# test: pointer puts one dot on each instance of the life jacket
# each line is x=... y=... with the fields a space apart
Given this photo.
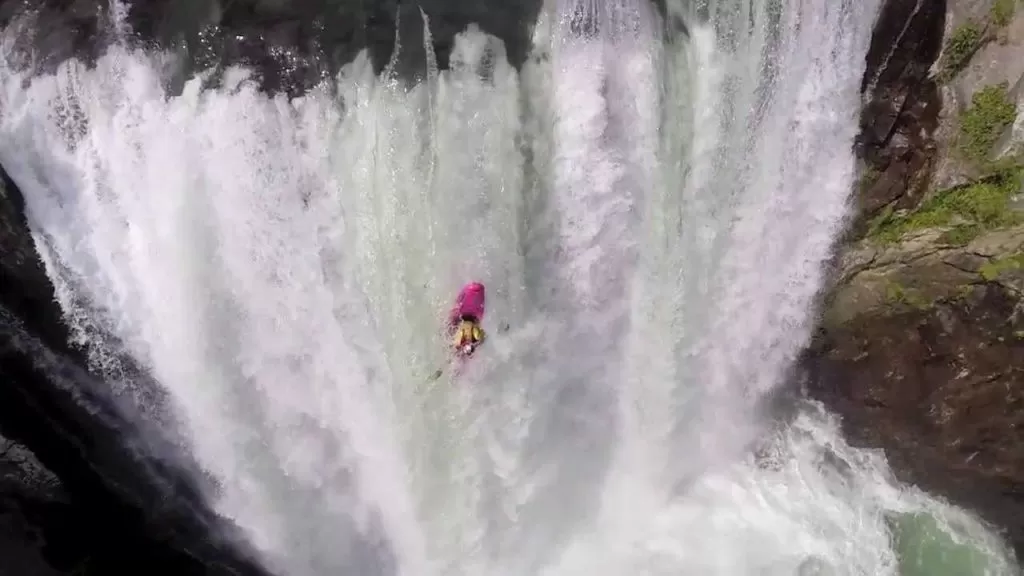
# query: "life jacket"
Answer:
x=469 y=303
x=468 y=332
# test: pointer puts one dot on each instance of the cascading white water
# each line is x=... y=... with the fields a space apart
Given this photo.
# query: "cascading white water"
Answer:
x=650 y=211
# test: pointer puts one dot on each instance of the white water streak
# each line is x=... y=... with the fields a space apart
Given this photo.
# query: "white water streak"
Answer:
x=650 y=212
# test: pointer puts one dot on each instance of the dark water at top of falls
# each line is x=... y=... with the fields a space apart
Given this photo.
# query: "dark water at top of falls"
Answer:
x=292 y=44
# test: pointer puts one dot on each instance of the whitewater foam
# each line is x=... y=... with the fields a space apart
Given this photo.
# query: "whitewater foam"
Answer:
x=651 y=211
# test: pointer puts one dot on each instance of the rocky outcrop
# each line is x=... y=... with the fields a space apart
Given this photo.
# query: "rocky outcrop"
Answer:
x=921 y=345
x=924 y=357
x=990 y=37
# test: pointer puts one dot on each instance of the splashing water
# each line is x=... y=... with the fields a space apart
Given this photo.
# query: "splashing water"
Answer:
x=650 y=207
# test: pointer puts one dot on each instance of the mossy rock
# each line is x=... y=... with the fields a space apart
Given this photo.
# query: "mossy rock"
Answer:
x=964 y=211
x=999 y=266
x=990 y=113
x=966 y=39
x=897 y=288
x=1006 y=270
x=899 y=295
x=1002 y=12
x=960 y=46
x=920 y=271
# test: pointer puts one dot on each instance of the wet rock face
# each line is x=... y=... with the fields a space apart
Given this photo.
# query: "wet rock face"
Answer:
x=24 y=286
x=26 y=491
x=900 y=117
x=941 y=389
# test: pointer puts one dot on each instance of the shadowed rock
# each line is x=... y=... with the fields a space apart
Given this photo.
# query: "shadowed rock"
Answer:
x=899 y=119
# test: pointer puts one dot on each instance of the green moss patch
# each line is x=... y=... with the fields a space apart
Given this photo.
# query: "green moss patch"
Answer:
x=961 y=235
x=896 y=293
x=960 y=46
x=969 y=210
x=964 y=291
x=1002 y=12
x=991 y=270
x=967 y=38
x=868 y=178
x=991 y=111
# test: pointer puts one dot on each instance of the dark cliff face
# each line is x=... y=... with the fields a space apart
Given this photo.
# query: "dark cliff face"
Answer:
x=898 y=121
x=24 y=287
